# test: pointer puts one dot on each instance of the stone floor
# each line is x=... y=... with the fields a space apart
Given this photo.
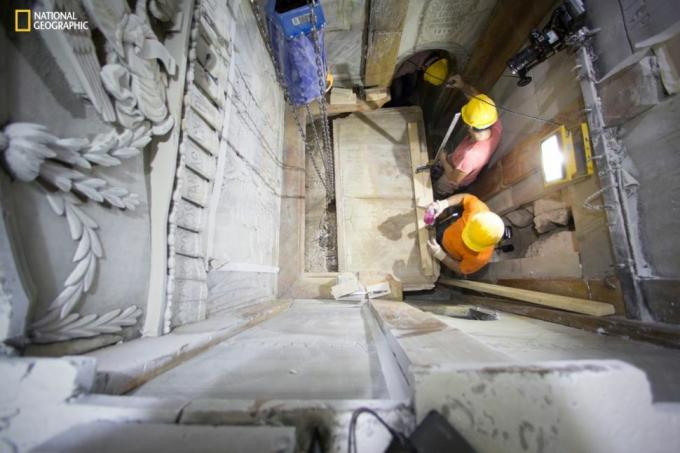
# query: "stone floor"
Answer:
x=314 y=350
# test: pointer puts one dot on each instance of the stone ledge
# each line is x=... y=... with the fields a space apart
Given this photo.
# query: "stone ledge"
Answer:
x=122 y=367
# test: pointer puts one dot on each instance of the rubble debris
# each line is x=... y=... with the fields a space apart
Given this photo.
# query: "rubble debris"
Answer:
x=549 y=213
x=520 y=217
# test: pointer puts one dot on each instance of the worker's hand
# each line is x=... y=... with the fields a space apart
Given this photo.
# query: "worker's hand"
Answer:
x=437 y=207
x=455 y=81
x=436 y=249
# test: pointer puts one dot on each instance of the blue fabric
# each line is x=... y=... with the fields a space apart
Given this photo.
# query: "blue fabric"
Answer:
x=296 y=58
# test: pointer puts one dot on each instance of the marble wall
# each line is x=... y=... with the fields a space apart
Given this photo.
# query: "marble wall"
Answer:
x=80 y=231
x=244 y=245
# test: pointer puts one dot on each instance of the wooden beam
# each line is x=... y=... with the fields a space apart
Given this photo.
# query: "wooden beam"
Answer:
x=359 y=106
x=422 y=190
x=507 y=31
x=661 y=334
x=584 y=306
x=608 y=291
x=386 y=22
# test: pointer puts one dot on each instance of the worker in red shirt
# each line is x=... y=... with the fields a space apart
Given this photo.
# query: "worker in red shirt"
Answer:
x=462 y=166
x=468 y=243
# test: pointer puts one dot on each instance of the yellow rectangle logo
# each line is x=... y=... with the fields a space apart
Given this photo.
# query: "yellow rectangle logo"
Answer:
x=26 y=25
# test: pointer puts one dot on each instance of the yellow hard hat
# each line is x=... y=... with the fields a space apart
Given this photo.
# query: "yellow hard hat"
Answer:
x=480 y=112
x=437 y=72
x=329 y=81
x=485 y=229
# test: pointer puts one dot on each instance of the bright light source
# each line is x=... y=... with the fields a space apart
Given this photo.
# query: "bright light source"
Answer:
x=552 y=158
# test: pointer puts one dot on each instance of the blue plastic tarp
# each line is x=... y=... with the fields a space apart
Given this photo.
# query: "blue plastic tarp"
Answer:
x=295 y=52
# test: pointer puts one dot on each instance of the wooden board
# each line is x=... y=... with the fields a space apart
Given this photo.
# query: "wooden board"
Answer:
x=422 y=189
x=376 y=211
x=584 y=306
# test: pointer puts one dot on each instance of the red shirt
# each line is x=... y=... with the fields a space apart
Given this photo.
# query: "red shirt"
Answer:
x=471 y=156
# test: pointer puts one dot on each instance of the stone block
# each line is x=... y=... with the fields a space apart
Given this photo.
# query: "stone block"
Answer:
x=550 y=220
x=134 y=437
x=558 y=399
x=630 y=90
x=548 y=204
x=554 y=244
x=376 y=94
x=520 y=217
x=668 y=58
x=343 y=96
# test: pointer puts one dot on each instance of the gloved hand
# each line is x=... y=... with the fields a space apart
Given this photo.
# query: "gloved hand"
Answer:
x=436 y=250
x=437 y=207
x=455 y=81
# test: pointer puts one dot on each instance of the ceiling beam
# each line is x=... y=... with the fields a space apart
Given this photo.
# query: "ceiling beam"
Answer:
x=508 y=29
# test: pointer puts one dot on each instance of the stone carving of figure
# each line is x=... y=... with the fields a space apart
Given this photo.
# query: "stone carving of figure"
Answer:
x=132 y=75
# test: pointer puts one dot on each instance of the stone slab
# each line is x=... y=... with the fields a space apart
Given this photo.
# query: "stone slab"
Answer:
x=110 y=437
x=326 y=354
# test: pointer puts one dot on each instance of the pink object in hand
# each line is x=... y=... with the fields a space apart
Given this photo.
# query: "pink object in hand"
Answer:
x=429 y=216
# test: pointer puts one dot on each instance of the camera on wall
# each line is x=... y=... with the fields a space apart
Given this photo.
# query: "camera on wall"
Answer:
x=564 y=29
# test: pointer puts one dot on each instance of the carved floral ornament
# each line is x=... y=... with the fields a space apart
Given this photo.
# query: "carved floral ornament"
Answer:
x=31 y=154
x=129 y=91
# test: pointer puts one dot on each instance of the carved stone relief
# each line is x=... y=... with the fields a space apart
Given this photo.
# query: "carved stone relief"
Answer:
x=204 y=113
x=76 y=55
x=163 y=10
x=132 y=74
x=185 y=242
x=188 y=215
x=194 y=126
x=200 y=77
x=32 y=154
x=194 y=188
x=128 y=90
x=202 y=105
x=199 y=160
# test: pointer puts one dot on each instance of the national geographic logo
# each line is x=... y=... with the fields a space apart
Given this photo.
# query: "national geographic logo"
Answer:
x=26 y=20
x=22 y=20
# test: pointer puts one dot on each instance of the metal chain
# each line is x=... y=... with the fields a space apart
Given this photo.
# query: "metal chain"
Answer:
x=328 y=148
x=286 y=95
x=317 y=141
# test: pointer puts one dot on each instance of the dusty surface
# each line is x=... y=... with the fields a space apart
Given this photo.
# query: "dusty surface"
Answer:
x=377 y=221
x=321 y=254
x=314 y=350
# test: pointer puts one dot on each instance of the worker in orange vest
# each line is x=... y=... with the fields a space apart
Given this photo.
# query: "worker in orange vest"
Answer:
x=462 y=166
x=468 y=243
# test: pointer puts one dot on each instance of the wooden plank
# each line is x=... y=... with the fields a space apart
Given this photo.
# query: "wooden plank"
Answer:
x=422 y=199
x=339 y=195
x=506 y=33
x=386 y=22
x=600 y=290
x=584 y=306
x=358 y=106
